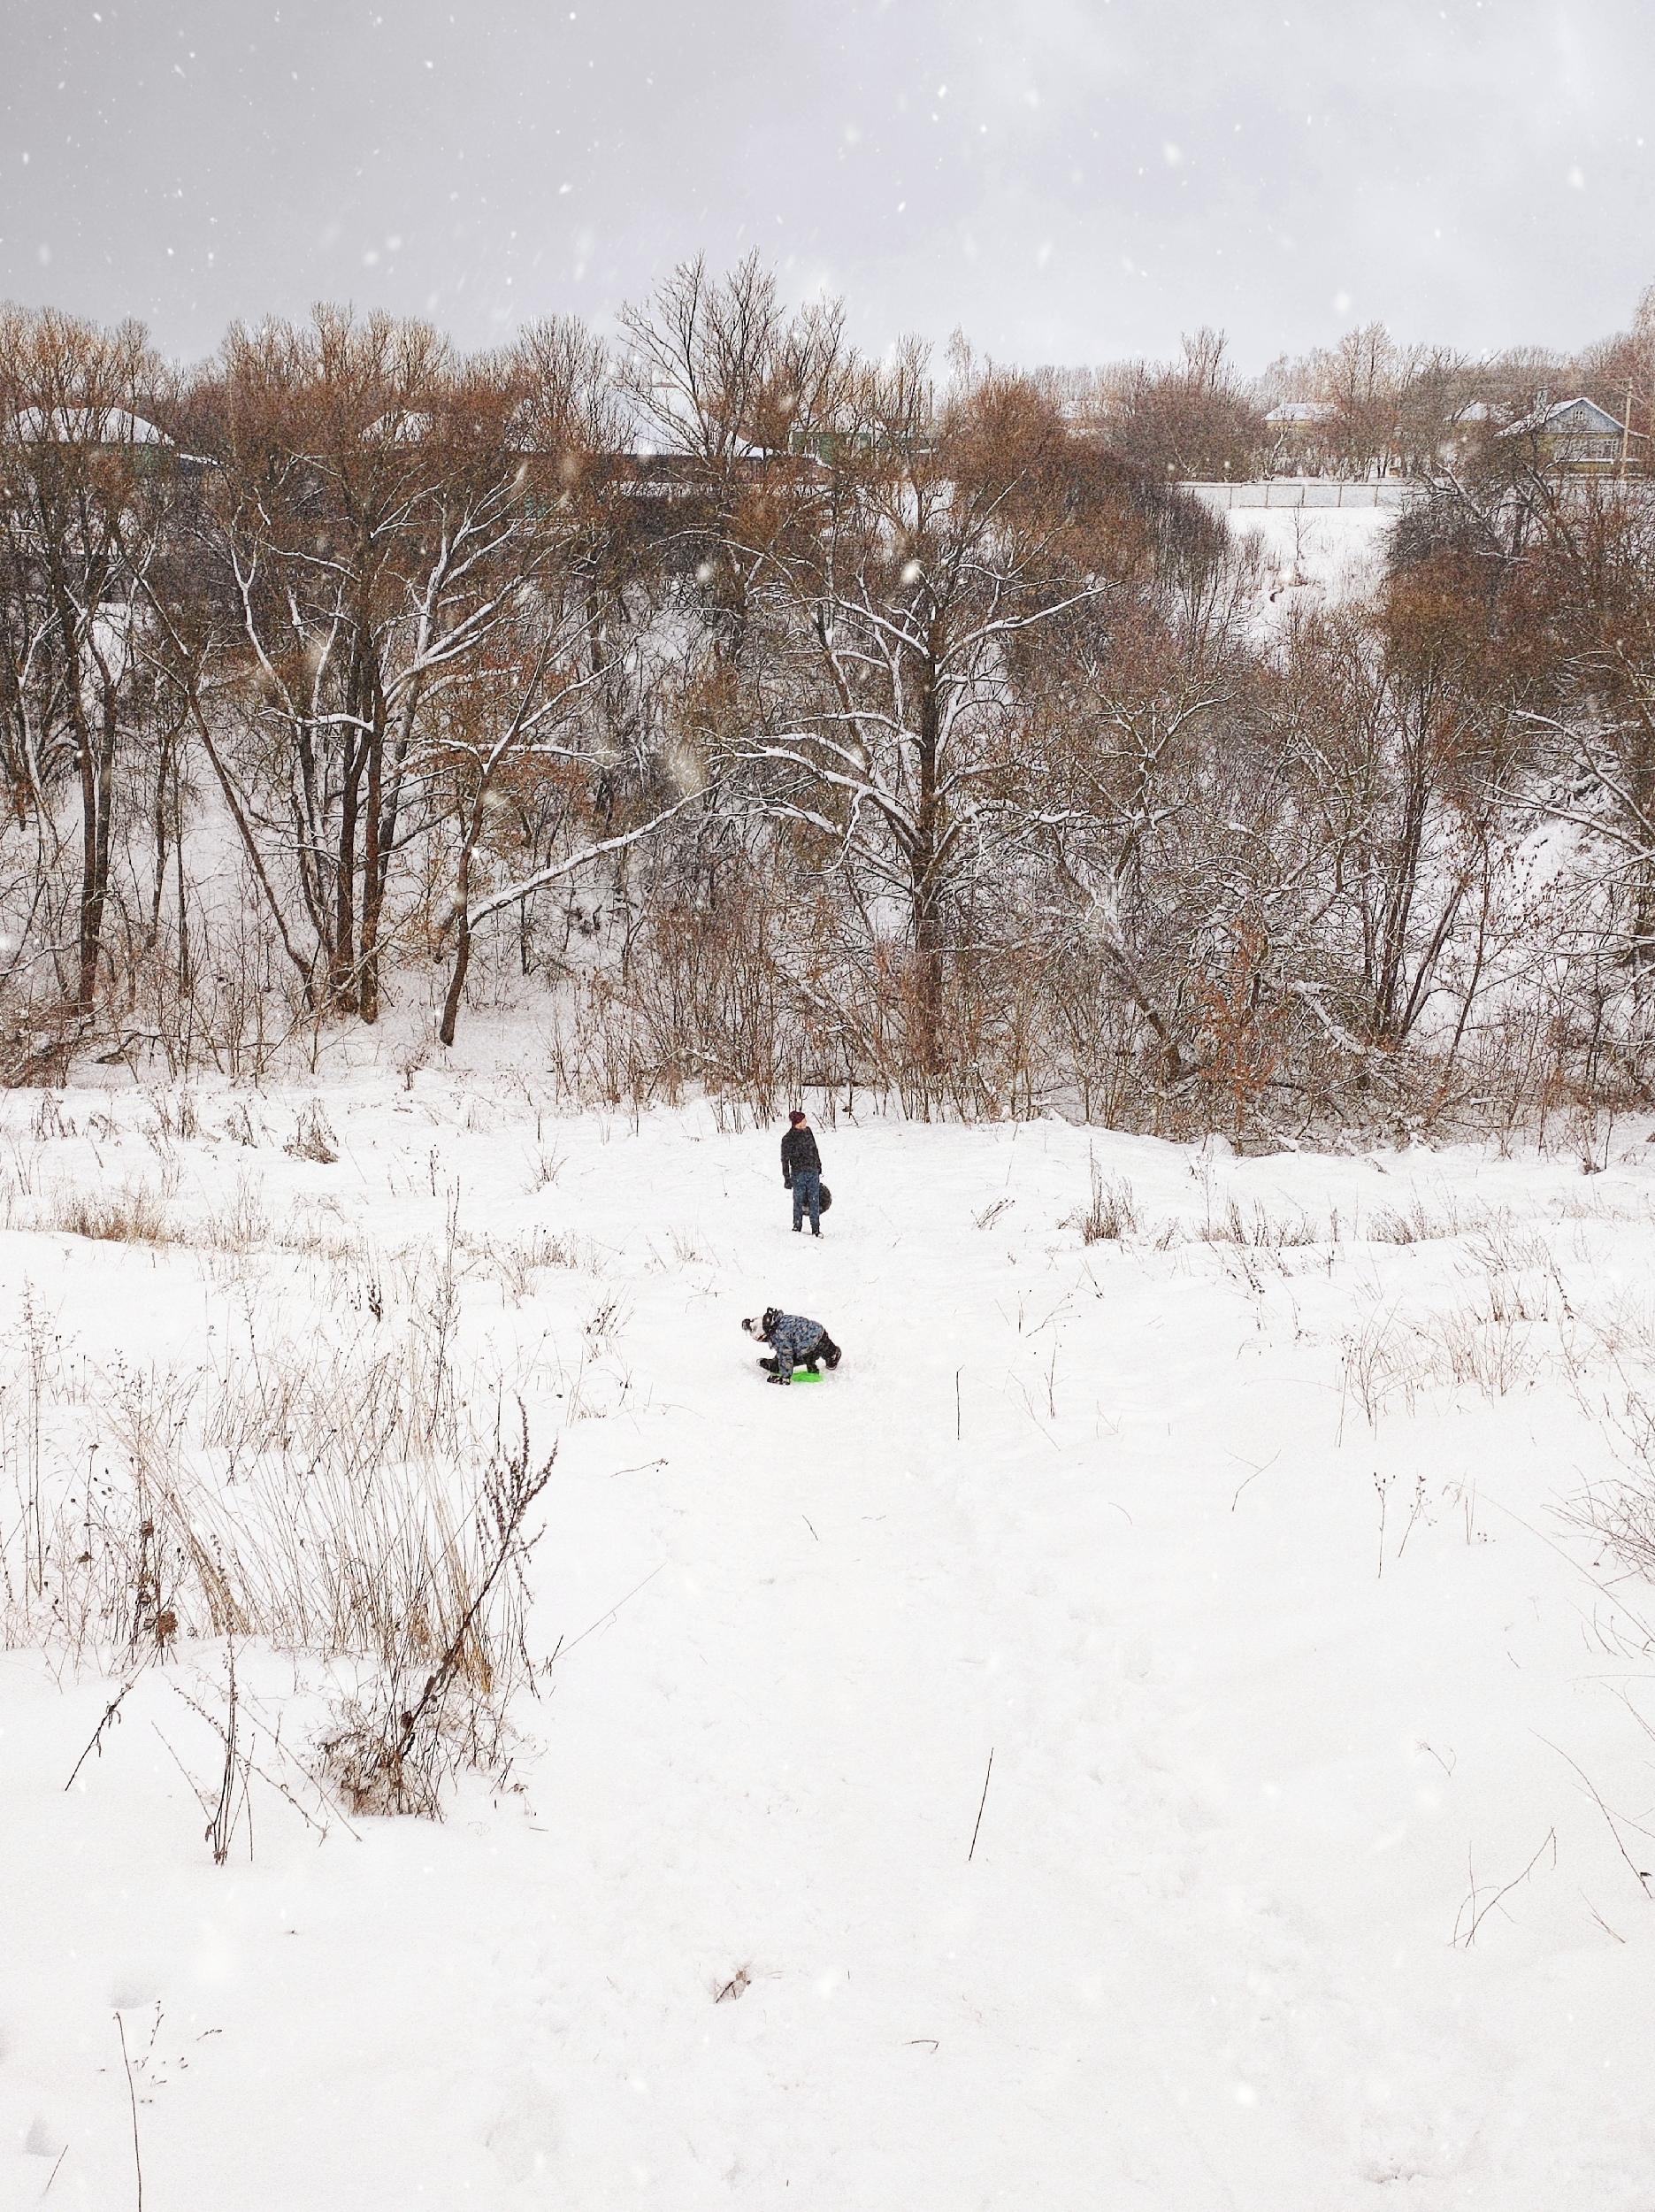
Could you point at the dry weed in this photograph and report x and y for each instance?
(243, 1225)
(132, 1215)
(1112, 1213)
(313, 1137)
(343, 1497)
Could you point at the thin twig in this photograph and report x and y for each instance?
(331, 1808)
(1253, 1477)
(616, 1608)
(221, 1820)
(1606, 1589)
(1598, 1918)
(1478, 1917)
(96, 1743)
(1640, 1874)
(132, 2093)
(204, 1802)
(980, 1803)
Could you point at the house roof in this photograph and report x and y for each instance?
(401, 425)
(84, 426)
(1299, 410)
(1576, 418)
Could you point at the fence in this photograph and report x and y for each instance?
(1307, 491)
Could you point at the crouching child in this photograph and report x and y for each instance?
(794, 1341)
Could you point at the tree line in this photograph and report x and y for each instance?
(1366, 406)
(758, 715)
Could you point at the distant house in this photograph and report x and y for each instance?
(1296, 433)
(84, 426)
(829, 447)
(1467, 427)
(1576, 437)
(400, 425)
(100, 430)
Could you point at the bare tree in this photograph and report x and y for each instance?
(369, 523)
(1193, 420)
(1360, 383)
(884, 722)
(742, 400)
(84, 482)
(1590, 578)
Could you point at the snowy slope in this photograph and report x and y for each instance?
(1262, 1761)
(1315, 556)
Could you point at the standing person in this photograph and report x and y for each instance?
(802, 1171)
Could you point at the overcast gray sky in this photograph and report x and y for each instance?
(1069, 179)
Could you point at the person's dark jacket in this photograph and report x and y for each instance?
(800, 1155)
(792, 1337)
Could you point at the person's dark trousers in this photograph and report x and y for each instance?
(823, 1352)
(807, 1193)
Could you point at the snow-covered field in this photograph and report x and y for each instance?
(1233, 1537)
(1314, 555)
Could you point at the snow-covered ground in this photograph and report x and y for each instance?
(1314, 555)
(1242, 1560)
